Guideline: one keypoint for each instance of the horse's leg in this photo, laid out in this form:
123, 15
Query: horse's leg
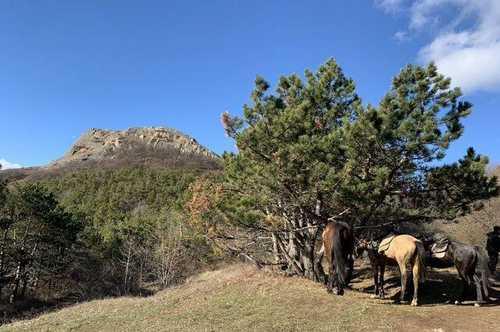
337, 289
340, 289
464, 291
381, 280
479, 292
404, 278
416, 281
375, 277
350, 271
329, 284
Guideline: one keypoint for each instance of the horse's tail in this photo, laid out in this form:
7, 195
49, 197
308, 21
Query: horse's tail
420, 260
339, 255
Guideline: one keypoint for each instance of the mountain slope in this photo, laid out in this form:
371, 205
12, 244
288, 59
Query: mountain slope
241, 298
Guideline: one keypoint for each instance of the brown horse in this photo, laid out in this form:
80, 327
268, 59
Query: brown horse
404, 250
338, 246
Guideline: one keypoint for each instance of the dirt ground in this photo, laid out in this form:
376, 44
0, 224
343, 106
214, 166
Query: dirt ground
437, 297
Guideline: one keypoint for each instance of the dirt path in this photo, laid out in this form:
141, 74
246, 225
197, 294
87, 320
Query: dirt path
437, 311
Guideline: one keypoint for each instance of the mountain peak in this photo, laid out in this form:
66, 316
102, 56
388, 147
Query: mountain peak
157, 145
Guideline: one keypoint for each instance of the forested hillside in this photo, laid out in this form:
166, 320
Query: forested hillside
128, 231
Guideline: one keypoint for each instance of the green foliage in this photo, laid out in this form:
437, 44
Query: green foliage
116, 202
292, 144
37, 237
313, 142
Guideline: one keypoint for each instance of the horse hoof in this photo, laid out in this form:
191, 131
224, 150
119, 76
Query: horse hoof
477, 304
458, 302
414, 303
373, 296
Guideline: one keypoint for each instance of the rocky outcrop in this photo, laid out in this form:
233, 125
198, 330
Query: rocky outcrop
156, 145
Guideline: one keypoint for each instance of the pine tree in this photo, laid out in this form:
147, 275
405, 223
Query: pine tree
311, 151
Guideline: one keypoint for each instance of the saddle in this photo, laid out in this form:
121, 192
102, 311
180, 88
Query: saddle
439, 251
385, 244
440, 248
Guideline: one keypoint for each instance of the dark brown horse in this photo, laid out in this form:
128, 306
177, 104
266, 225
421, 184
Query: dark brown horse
338, 246
377, 263
493, 248
471, 264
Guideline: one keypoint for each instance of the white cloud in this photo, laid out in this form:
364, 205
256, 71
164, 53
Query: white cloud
390, 6
401, 36
465, 39
7, 165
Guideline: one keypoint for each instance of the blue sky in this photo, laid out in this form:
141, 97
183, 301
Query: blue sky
67, 66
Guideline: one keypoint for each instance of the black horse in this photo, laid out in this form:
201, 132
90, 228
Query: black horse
493, 248
471, 264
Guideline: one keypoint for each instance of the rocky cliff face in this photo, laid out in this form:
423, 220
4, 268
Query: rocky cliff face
135, 145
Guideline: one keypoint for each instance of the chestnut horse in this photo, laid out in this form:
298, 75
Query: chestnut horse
338, 246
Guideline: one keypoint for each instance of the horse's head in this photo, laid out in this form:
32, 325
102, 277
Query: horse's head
362, 245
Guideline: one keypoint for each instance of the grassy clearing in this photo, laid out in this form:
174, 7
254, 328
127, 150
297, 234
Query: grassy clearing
241, 298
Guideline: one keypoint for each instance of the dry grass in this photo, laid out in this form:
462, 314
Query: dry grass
241, 298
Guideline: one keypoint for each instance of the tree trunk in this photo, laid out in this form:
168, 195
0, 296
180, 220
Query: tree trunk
307, 259
293, 255
300, 253
312, 266
276, 254
17, 280
127, 265
293, 266
24, 286
318, 267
